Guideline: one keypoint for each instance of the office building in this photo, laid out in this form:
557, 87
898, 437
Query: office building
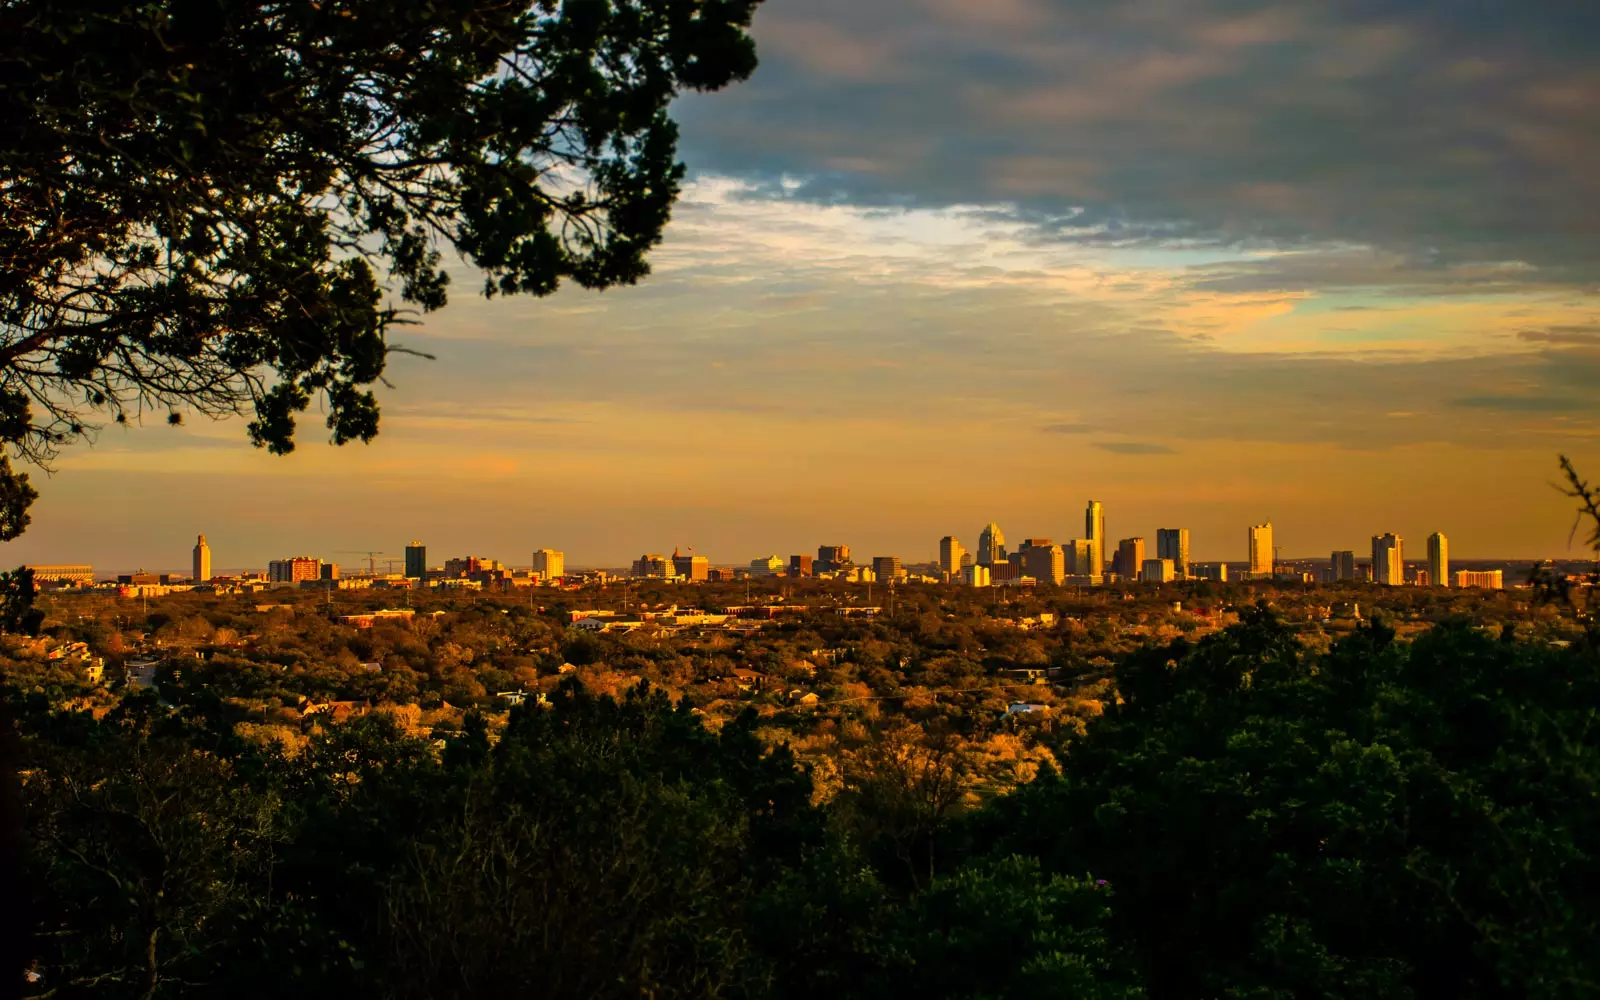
991, 545
202, 561
1261, 554
974, 575
1043, 561
1388, 560
1438, 560
832, 558
1173, 543
655, 566
1094, 526
548, 564
416, 561
1342, 565
951, 552
1158, 571
696, 569
887, 568
1080, 560
800, 566
1129, 558
1493, 579
770, 566
467, 566
294, 569
328, 572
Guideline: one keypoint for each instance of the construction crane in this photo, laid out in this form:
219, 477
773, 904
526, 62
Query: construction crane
372, 558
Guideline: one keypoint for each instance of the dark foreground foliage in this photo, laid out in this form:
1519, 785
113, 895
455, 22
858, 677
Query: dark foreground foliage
1385, 820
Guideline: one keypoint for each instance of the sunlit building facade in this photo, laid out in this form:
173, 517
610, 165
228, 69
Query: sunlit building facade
1439, 559
1388, 560
1173, 543
1261, 555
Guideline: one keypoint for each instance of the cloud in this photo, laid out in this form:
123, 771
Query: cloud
1134, 448
1520, 404
1442, 134
1580, 336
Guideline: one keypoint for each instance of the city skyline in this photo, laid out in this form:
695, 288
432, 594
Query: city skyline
1171, 544
1123, 264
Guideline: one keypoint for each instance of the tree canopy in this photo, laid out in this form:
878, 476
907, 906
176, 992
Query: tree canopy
204, 204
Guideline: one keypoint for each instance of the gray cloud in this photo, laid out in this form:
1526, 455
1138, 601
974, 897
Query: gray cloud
1520, 404
1579, 335
1444, 134
1134, 448
1069, 428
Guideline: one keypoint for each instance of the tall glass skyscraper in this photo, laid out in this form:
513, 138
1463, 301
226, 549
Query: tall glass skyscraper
416, 561
991, 545
1094, 530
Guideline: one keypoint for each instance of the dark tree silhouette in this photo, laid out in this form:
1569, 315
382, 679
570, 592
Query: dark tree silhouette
204, 204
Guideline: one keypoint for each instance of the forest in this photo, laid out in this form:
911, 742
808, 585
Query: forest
1254, 804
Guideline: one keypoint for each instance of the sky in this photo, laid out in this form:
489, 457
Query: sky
1330, 263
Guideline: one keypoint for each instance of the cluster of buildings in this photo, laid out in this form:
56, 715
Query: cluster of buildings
1086, 561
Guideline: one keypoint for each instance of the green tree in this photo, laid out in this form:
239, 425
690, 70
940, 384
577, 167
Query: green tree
206, 203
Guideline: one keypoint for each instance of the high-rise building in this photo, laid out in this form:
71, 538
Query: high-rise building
886, 568
1491, 579
1342, 565
548, 564
974, 575
1043, 561
991, 545
951, 552
1129, 558
1158, 571
697, 568
1173, 543
416, 561
832, 558
202, 561
294, 569
1080, 559
1438, 560
1094, 527
1388, 560
1261, 555
800, 566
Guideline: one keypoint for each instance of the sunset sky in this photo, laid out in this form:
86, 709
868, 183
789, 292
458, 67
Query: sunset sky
1332, 263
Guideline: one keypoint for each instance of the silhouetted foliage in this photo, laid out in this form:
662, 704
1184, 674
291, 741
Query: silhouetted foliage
199, 198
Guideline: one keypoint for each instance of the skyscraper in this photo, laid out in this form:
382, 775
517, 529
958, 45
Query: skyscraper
548, 564
1342, 565
1080, 560
1173, 543
1439, 559
950, 552
886, 568
1388, 559
416, 561
1129, 558
991, 545
202, 562
1261, 556
1094, 528
1044, 562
